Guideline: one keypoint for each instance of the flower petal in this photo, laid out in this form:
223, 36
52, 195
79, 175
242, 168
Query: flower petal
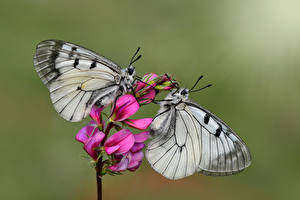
126, 144
84, 133
124, 100
126, 106
94, 142
147, 78
120, 142
120, 166
165, 83
148, 97
164, 78
138, 86
135, 167
141, 137
135, 160
95, 113
138, 156
137, 147
140, 124
117, 137
110, 150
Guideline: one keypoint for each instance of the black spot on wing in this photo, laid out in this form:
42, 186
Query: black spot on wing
53, 56
76, 62
71, 54
206, 118
50, 76
219, 130
93, 65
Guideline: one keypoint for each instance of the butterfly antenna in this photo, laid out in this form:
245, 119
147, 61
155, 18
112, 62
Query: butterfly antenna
133, 59
202, 88
156, 101
200, 77
174, 84
138, 77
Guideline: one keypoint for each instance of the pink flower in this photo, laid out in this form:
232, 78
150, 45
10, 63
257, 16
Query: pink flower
164, 82
120, 142
144, 90
130, 161
91, 137
125, 107
136, 153
139, 140
148, 82
133, 158
121, 165
95, 114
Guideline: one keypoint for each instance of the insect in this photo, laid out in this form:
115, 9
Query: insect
187, 139
78, 78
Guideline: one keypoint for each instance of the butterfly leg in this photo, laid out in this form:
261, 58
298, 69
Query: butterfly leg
114, 104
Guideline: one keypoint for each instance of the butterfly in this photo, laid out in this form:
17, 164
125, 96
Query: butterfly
187, 138
78, 78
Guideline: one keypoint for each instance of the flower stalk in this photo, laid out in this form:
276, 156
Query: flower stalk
99, 166
99, 163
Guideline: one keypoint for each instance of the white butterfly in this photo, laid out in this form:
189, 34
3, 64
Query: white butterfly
188, 138
77, 78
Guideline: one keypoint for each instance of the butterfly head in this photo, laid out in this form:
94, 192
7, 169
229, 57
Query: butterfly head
131, 71
184, 92
128, 76
178, 95
181, 93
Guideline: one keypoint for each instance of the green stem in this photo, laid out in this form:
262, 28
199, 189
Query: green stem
99, 164
110, 125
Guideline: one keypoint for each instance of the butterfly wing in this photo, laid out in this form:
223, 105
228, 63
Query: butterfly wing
176, 153
223, 152
76, 77
193, 144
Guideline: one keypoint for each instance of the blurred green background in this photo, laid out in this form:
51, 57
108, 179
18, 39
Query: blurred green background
249, 50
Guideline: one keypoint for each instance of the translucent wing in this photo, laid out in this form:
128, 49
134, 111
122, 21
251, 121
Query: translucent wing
195, 141
223, 152
174, 154
76, 77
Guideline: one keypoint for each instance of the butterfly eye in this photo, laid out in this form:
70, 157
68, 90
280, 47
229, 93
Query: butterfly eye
184, 92
130, 70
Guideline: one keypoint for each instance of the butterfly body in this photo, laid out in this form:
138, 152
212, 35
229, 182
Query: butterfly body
78, 78
188, 139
